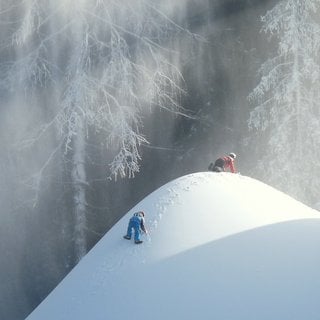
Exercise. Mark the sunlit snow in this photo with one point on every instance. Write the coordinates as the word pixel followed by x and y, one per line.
pixel 220 246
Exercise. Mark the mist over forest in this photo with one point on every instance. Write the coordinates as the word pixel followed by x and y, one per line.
pixel 102 102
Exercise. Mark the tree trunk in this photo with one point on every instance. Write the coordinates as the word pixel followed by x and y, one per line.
pixel 79 183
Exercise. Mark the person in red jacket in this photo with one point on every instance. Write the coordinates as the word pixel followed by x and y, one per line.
pixel 224 163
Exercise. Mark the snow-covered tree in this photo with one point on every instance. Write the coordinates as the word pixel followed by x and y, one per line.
pixel 116 65
pixel 99 65
pixel 286 115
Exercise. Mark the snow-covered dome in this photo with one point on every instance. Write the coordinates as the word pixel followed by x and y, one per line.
pixel 220 246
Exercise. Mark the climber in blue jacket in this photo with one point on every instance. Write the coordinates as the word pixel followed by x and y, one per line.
pixel 136 223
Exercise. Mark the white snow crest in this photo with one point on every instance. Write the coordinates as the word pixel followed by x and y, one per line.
pixel 220 246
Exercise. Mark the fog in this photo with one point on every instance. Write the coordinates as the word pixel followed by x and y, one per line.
pixel 104 101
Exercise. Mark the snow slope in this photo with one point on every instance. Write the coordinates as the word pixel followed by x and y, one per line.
pixel 221 246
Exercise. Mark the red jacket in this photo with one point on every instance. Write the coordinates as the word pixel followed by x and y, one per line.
pixel 229 163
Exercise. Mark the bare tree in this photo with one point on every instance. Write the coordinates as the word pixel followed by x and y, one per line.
pixel 286 116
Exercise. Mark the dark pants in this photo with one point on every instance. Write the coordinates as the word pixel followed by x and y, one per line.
pixel 217 169
pixel 218 166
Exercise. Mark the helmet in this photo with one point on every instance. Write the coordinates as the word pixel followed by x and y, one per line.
pixel 232 155
pixel 139 214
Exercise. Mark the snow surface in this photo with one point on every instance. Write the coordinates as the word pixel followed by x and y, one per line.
pixel 220 246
